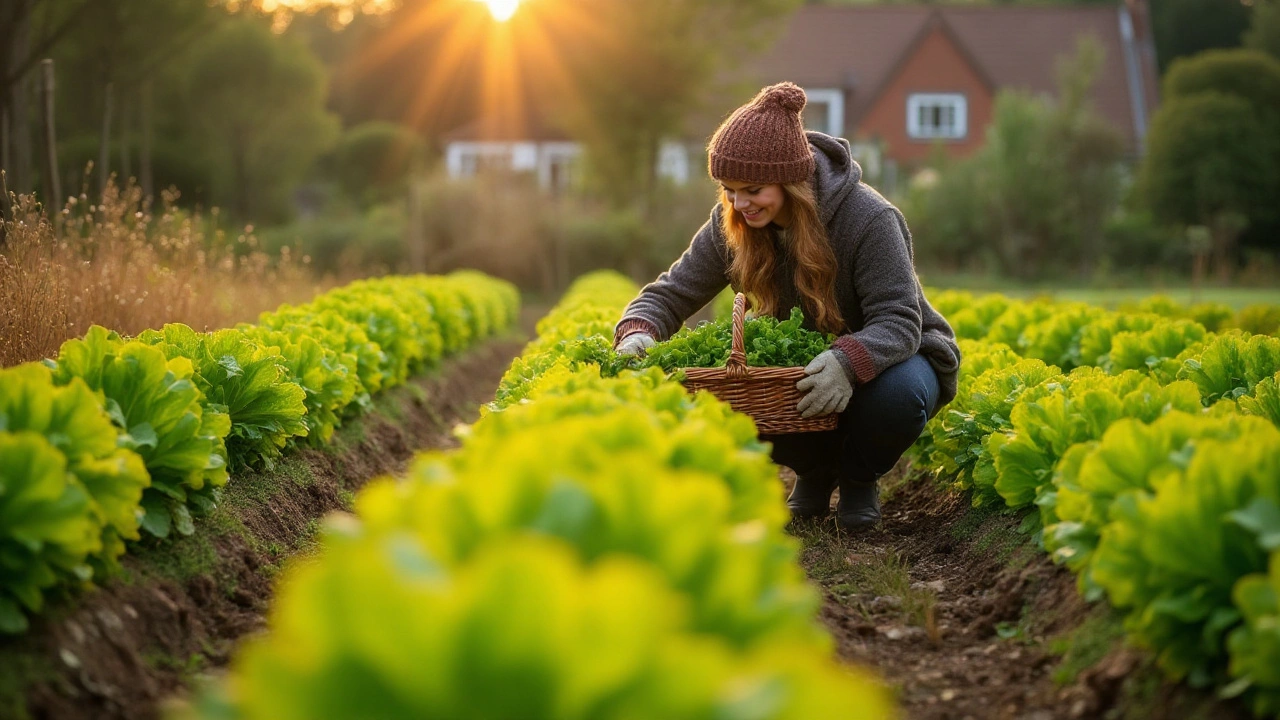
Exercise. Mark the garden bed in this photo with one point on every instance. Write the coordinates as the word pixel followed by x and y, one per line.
pixel 181 605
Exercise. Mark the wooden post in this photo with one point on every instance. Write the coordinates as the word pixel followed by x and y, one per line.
pixel 6 160
pixel 104 147
pixel 52 183
pixel 19 161
pixel 147 179
pixel 6 209
pixel 126 146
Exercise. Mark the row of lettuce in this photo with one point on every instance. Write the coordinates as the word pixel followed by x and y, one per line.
pixel 1149 449
pixel 599 547
pixel 118 437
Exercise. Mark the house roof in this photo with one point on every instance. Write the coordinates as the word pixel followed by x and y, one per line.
pixel 533 127
pixel 859 47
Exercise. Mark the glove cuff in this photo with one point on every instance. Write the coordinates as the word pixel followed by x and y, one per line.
pixel 855 359
pixel 633 326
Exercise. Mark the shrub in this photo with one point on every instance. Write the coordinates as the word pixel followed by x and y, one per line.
pixel 372 161
pixel 1214 148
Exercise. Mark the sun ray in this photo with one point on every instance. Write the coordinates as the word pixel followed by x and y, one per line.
pixel 431 19
pixel 459 48
pixel 519 67
pixel 502 10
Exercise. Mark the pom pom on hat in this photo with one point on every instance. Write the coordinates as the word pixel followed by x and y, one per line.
pixel 785 96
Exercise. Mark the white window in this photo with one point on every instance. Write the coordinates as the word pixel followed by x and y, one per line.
pixel 673 162
pixel 467 159
pixel 824 111
pixel 558 167
pixel 942 116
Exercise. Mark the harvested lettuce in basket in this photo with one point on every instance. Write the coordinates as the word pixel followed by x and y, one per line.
pixel 768 342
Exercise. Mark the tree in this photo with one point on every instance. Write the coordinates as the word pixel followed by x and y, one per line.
pixel 1186 27
pixel 640 69
pixel 258 100
pixel 108 64
pixel 29 29
pixel 1230 144
pixel 1264 31
pixel 1248 74
pixel 1040 188
pixel 373 160
pixel 1203 167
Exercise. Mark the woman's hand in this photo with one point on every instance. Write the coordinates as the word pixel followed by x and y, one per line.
pixel 635 344
pixel 827 384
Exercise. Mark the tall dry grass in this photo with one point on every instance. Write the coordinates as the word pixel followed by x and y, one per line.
pixel 118 264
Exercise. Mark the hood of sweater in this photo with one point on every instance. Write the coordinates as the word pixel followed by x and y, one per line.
pixel 836 174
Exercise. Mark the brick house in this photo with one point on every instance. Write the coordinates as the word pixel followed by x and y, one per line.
pixel 897 80
pixel 903 78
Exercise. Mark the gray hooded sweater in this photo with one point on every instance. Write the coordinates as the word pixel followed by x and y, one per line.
pixel 879 295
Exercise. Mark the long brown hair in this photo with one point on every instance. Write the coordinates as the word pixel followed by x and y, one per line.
pixel 755 258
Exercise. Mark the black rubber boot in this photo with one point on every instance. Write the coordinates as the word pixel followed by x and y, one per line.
pixel 859 507
pixel 810 498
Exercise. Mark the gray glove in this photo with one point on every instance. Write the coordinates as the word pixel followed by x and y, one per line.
pixel 635 344
pixel 827 384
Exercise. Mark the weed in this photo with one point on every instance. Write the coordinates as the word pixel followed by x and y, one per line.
pixel 114 263
pixel 888 575
pixel 1085 645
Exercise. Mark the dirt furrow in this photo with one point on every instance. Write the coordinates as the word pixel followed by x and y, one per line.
pixel 965 616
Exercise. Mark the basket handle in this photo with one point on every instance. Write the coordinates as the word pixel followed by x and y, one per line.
pixel 736 366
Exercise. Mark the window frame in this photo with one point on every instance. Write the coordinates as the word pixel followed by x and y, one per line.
pixel 833 98
pixel 959 104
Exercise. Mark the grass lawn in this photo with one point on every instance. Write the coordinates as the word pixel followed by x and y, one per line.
pixel 1236 297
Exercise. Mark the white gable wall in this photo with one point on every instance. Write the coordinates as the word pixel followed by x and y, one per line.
pixel 553 162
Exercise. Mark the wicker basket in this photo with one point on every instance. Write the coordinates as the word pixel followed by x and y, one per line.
pixel 767 394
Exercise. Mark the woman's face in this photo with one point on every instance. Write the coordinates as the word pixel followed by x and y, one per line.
pixel 759 205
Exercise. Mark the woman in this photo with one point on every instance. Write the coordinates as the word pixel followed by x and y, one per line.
pixel 796 226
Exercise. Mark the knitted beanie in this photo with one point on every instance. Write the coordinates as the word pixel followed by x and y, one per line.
pixel 764 141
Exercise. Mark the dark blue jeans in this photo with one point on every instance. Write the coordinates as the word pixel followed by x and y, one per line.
pixel 880 422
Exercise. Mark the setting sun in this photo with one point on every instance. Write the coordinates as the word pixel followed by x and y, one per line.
pixel 502 9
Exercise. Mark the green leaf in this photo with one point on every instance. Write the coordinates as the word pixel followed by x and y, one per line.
pixel 142 435
pixel 156 519
pixel 12 621
pixel 182 519
pixel 230 365
pixel 1262 518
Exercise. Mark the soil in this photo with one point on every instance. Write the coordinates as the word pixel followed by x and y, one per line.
pixel 964 616
pixel 181 605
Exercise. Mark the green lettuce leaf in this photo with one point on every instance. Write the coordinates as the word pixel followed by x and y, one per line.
pixel 160 412
pixel 1264 401
pixel 247 381
pixel 327 377
pixel 1043 428
pixel 47 525
pixel 982 410
pixel 1133 456
pixel 1231 365
pixel 1255 645
pixel 1173 552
